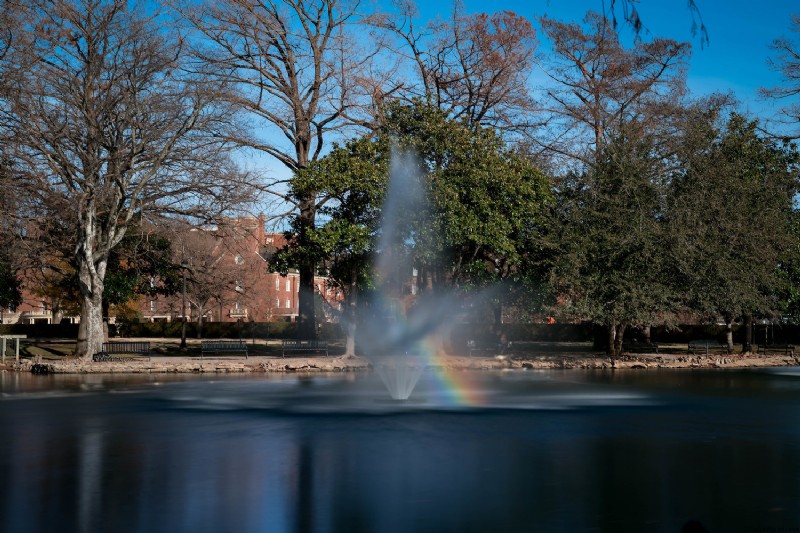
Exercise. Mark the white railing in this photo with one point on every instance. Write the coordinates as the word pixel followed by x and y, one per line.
pixel 36 314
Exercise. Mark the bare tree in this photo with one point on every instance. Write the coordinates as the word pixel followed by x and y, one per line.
pixel 223 266
pixel 110 127
pixel 295 71
pixel 472 67
pixel 203 256
pixel 598 84
pixel 787 62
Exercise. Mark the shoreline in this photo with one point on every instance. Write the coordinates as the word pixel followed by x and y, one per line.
pixel 263 364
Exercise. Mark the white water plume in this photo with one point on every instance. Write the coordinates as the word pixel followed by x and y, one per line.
pixel 400 375
pixel 405 310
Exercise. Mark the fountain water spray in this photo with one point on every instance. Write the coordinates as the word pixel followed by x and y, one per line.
pixel 400 375
pixel 389 336
pixel 393 335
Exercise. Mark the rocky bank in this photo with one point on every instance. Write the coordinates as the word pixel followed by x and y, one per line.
pixel 357 364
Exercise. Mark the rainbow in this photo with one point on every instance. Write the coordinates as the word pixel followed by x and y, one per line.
pixel 454 387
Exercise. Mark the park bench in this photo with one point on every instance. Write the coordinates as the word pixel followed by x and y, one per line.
pixel 223 348
pixel 476 347
pixel 787 349
pixel 485 348
pixel 640 346
pixel 705 345
pixel 110 351
pixel 297 347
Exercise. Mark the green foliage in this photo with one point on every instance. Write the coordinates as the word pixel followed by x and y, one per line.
pixel 141 264
pixel 485 202
pixel 613 263
pixel 352 179
pixel 790 272
pixel 732 217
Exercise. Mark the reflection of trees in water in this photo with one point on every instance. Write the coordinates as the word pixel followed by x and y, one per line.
pixel 305 488
pixel 110 462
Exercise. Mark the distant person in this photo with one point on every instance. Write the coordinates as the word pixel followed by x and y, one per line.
pixel 502 341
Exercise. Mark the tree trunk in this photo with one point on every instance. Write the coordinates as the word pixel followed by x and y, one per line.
pixel 612 340
pixel 618 341
pixel 56 310
pixel 615 335
pixel 729 332
pixel 307 321
pixel 498 315
pixel 200 313
pixel 91 333
pixel 351 317
pixel 748 334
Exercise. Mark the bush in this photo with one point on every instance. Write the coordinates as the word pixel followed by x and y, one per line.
pixel 212 330
pixel 41 331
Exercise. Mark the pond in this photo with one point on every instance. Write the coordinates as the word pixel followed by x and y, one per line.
pixel 546 451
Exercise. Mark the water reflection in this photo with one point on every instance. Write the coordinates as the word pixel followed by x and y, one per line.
pixel 167 458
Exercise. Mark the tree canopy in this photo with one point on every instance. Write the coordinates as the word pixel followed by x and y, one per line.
pixel 613 261
pixel 732 210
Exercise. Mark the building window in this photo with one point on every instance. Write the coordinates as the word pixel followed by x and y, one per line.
pixel 239 286
pixel 239 260
pixel 414 272
pixel 152 305
pixel 277 303
pixel 288 304
pixel 277 283
pixel 44 307
pixel 288 285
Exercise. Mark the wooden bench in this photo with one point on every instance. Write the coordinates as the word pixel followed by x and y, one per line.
pixel 641 347
pixel 787 349
pixel 223 348
pixel 112 349
pixel 485 348
pixel 296 346
pixel 704 344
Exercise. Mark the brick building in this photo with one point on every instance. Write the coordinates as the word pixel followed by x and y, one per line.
pixel 228 277
pixel 227 280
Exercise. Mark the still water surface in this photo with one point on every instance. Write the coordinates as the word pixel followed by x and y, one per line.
pixel 533 451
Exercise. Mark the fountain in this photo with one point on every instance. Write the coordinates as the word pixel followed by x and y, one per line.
pixel 400 375
pixel 391 336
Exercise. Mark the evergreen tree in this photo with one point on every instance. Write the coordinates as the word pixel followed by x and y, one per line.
pixel 731 218
pixel 612 266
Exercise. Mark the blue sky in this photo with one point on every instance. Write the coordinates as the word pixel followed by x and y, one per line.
pixel 735 59
pixel 740 32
